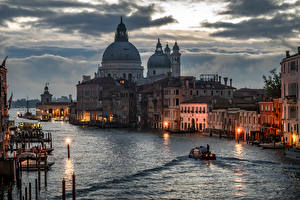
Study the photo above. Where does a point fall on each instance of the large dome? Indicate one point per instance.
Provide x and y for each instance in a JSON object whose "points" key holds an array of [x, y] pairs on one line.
{"points": [[159, 61], [121, 51]]}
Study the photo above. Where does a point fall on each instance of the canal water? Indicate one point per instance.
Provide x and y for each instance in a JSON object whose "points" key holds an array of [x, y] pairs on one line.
{"points": [[130, 164]]}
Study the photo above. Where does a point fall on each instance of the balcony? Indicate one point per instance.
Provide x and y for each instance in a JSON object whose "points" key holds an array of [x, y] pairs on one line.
{"points": [[291, 99]]}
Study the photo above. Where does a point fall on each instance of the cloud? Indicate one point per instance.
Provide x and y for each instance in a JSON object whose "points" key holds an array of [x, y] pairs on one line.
{"points": [[253, 7], [279, 26], [101, 18]]}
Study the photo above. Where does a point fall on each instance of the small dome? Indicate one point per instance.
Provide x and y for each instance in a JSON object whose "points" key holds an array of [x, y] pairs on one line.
{"points": [[121, 51], [159, 61]]}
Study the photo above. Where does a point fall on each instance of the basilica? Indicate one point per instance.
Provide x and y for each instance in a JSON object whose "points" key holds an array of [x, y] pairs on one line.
{"points": [[121, 60]]}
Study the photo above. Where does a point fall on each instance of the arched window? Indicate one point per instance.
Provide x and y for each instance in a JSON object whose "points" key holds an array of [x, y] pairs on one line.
{"points": [[129, 76]]}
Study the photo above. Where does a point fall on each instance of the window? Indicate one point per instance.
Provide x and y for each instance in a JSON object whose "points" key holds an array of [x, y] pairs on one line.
{"points": [[197, 92], [262, 108], [191, 92], [177, 102], [177, 92], [124, 75], [203, 109], [154, 72]]}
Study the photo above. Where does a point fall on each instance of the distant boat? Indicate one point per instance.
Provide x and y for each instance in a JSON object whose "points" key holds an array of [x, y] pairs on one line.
{"points": [[272, 146], [293, 153]]}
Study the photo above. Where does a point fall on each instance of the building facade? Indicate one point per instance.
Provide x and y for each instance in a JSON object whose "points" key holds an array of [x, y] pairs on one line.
{"points": [[230, 120], [271, 122], [194, 114], [3, 108], [106, 102], [290, 81]]}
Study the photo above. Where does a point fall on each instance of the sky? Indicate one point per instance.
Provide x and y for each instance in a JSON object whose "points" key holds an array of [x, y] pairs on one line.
{"points": [[58, 41]]}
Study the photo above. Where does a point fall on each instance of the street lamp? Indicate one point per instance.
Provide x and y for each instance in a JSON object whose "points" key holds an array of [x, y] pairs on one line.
{"points": [[68, 142], [166, 124], [239, 130]]}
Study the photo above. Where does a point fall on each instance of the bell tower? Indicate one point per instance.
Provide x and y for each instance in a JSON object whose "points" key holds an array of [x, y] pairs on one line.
{"points": [[175, 61]]}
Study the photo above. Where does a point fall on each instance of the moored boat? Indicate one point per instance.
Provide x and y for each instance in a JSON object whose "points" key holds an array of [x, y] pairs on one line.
{"points": [[272, 145], [293, 153], [202, 153]]}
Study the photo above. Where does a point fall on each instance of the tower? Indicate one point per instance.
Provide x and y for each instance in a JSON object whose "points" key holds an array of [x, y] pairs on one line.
{"points": [[175, 61], [46, 96], [167, 51]]}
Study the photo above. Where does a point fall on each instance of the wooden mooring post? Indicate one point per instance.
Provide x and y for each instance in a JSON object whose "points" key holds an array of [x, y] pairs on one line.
{"points": [[36, 189], [29, 191], [73, 187], [63, 189]]}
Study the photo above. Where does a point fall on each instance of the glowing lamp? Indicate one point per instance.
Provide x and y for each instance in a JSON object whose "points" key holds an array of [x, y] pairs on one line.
{"points": [[68, 141]]}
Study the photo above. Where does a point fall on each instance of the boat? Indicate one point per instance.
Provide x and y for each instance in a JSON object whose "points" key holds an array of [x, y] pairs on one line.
{"points": [[272, 145], [202, 153], [180, 131], [44, 118], [293, 153]]}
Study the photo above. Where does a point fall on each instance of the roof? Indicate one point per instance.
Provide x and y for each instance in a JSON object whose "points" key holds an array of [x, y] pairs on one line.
{"points": [[200, 84]]}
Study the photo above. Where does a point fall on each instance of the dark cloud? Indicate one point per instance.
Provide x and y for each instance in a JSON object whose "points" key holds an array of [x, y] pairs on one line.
{"points": [[234, 66], [102, 19], [253, 7], [279, 26]]}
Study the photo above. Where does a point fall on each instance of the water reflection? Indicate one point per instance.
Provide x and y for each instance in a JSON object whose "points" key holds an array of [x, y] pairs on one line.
{"points": [[69, 169], [166, 138], [238, 151]]}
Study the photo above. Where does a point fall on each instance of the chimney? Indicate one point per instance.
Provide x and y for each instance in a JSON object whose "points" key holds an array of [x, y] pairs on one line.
{"points": [[287, 53], [220, 79], [225, 80], [230, 80], [299, 50]]}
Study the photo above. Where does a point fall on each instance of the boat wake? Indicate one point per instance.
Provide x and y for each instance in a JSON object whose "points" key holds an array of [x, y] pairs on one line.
{"points": [[129, 178]]}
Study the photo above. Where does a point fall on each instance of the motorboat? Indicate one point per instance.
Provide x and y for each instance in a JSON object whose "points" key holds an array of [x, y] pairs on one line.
{"points": [[202, 153], [293, 153]]}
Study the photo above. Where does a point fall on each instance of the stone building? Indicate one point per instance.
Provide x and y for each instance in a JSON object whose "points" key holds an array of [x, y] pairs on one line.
{"points": [[230, 119], [121, 59], [290, 81], [3, 107], [194, 114], [106, 102], [270, 114], [47, 109]]}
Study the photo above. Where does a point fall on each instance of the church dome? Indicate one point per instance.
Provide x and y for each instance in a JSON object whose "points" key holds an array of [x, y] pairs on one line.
{"points": [[159, 59], [121, 49]]}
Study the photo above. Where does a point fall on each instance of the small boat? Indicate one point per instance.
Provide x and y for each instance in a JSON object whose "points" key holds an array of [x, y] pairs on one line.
{"points": [[272, 146], [293, 153], [202, 153]]}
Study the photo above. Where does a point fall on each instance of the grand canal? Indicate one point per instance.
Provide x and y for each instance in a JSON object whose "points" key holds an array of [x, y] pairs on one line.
{"points": [[128, 164]]}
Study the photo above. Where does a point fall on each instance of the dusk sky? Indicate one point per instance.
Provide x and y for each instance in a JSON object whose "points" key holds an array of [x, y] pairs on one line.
{"points": [[59, 41]]}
